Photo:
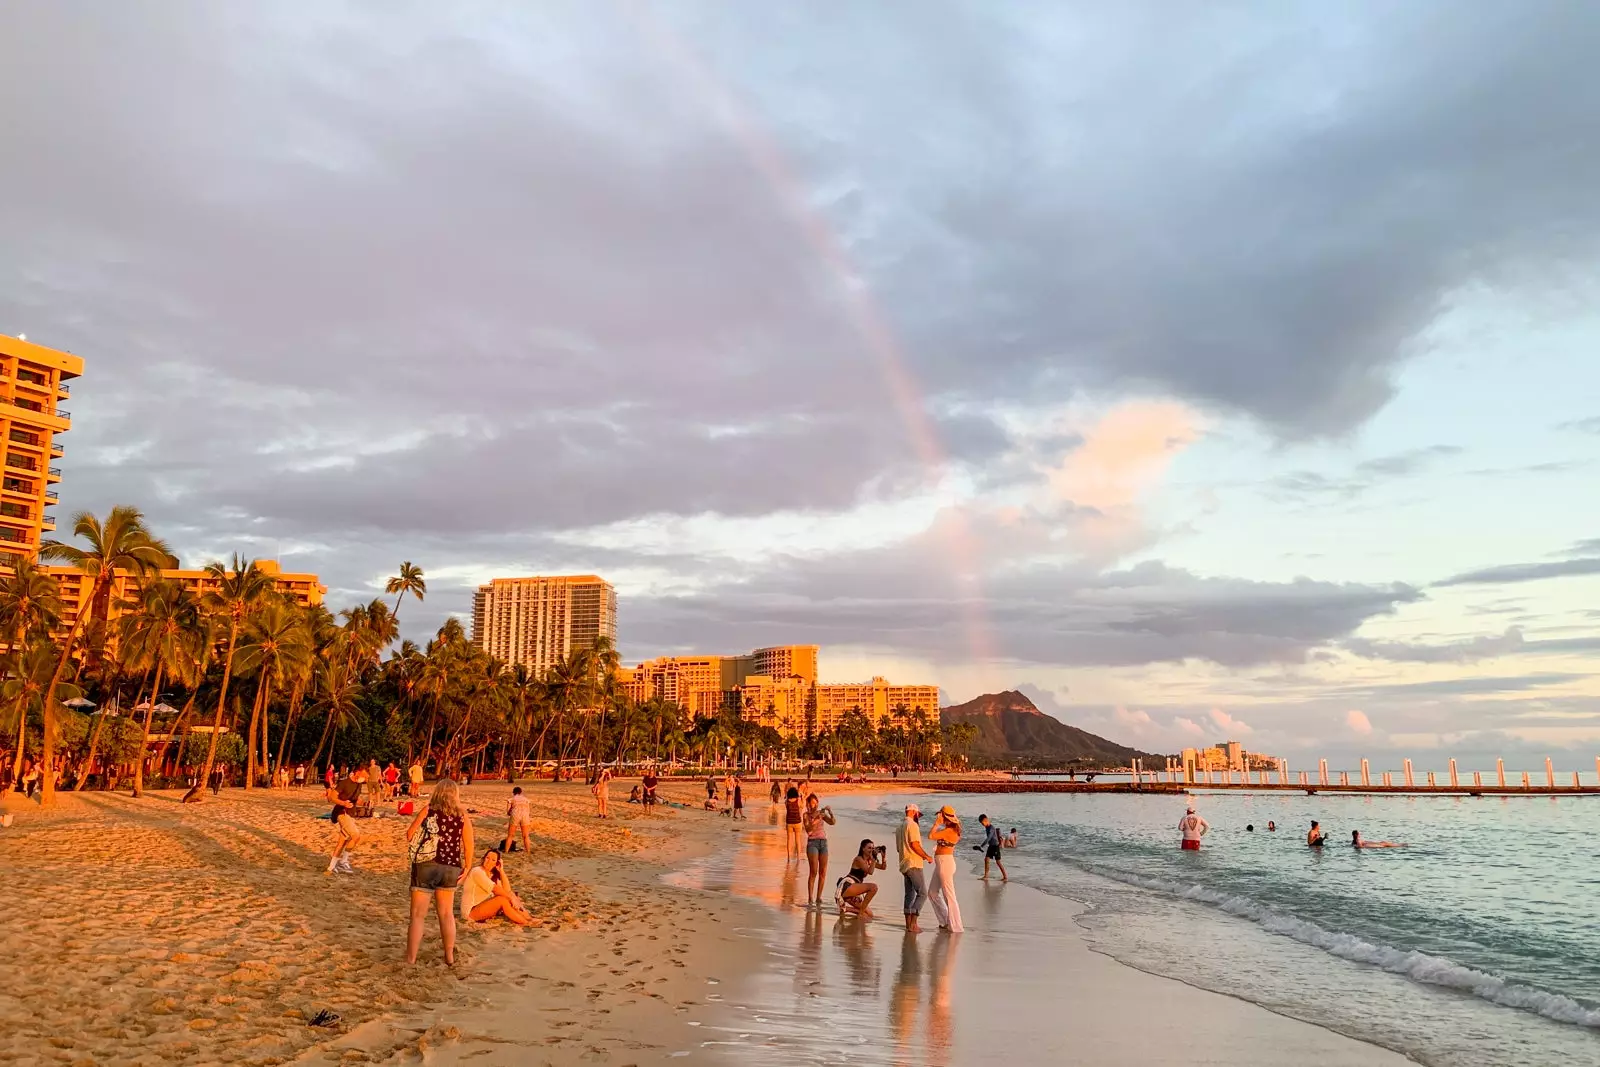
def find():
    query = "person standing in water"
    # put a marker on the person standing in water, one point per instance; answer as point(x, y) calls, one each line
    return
point(992, 842)
point(792, 814)
point(815, 822)
point(1314, 837)
point(946, 835)
point(908, 844)
point(1193, 828)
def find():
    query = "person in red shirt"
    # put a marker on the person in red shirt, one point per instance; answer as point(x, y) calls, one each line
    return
point(391, 780)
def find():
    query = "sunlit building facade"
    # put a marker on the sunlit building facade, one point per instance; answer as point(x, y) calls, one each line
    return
point(303, 589)
point(538, 622)
point(33, 382)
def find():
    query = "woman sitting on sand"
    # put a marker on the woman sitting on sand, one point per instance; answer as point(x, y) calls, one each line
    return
point(440, 837)
point(487, 893)
point(856, 890)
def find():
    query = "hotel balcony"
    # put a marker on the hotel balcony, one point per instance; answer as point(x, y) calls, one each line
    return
point(63, 390)
point(48, 523)
point(57, 450)
point(54, 475)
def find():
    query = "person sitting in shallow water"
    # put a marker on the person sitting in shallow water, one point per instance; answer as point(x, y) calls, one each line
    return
point(1356, 842)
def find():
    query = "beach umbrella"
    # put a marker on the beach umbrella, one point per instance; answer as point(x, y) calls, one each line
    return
point(78, 702)
point(143, 705)
point(166, 709)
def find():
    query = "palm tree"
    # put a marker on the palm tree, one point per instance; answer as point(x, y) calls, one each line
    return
point(275, 647)
point(121, 543)
point(236, 595)
point(339, 693)
point(165, 634)
point(30, 675)
point(30, 604)
point(409, 580)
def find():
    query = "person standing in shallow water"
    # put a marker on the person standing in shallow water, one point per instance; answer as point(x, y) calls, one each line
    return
point(1193, 828)
point(908, 845)
point(946, 836)
point(792, 817)
point(992, 842)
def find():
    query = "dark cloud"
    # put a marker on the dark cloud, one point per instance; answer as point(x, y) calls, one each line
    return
point(1511, 573)
point(360, 283)
point(1447, 687)
point(1589, 425)
point(1468, 651)
point(1366, 475)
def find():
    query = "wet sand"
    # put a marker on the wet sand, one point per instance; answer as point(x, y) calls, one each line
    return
point(1020, 985)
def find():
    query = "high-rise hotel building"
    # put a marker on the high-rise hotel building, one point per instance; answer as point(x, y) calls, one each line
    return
point(33, 382)
point(538, 622)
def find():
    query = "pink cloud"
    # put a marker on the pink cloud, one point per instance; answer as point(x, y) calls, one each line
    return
point(1188, 726)
point(1358, 722)
point(1228, 723)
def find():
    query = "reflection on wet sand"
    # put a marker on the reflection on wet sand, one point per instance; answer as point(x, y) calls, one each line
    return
point(923, 977)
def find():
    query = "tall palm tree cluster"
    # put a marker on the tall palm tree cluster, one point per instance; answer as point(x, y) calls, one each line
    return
point(242, 675)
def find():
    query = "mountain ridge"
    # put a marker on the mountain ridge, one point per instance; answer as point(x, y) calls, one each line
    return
point(1012, 729)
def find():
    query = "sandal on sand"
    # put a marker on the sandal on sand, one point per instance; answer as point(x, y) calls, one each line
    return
point(324, 1018)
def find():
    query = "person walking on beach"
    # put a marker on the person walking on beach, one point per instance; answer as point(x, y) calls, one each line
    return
point(345, 796)
point(602, 793)
point(815, 823)
point(738, 798)
point(908, 845)
point(519, 818)
point(793, 832)
point(1315, 837)
point(777, 792)
point(415, 776)
point(440, 838)
point(1193, 828)
point(391, 781)
point(946, 835)
point(992, 842)
point(299, 776)
point(711, 792)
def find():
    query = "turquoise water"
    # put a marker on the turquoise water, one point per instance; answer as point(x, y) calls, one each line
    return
point(1476, 946)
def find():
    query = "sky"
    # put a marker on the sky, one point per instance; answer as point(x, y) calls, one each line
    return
point(1205, 371)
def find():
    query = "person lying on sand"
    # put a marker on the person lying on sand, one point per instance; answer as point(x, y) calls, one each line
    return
point(1356, 842)
point(487, 893)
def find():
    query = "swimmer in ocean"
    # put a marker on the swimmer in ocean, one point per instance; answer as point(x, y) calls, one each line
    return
point(1315, 838)
point(1356, 842)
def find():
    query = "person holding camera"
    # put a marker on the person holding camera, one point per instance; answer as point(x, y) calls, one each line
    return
point(816, 821)
point(856, 889)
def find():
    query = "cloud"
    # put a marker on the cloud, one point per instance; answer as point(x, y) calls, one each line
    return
point(1188, 726)
point(1358, 722)
point(1589, 425)
point(1366, 476)
point(1228, 723)
point(1468, 686)
point(1468, 651)
point(1512, 573)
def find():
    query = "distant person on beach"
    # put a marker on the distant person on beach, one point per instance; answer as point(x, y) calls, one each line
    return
point(217, 774)
point(815, 822)
point(602, 793)
point(299, 775)
point(856, 888)
point(1315, 838)
point(1250, 828)
point(345, 796)
point(391, 781)
point(636, 794)
point(650, 781)
point(908, 846)
point(414, 777)
point(738, 798)
point(777, 792)
point(793, 832)
point(1010, 840)
point(946, 835)
point(1272, 827)
point(519, 818)
point(1356, 842)
point(440, 837)
point(992, 843)
point(711, 791)
point(486, 892)
point(329, 777)
point(1193, 828)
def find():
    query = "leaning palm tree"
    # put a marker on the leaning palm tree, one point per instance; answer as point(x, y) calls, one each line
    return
point(30, 605)
point(164, 636)
point(120, 543)
point(276, 645)
point(235, 595)
point(409, 580)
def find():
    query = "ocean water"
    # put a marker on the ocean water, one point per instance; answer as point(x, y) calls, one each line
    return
point(1478, 945)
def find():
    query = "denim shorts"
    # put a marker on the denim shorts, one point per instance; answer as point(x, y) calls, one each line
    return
point(817, 846)
point(434, 876)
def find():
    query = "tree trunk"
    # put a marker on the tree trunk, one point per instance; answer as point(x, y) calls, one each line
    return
point(47, 757)
point(255, 720)
point(182, 720)
point(22, 736)
point(327, 736)
point(88, 761)
point(216, 724)
point(144, 742)
point(295, 697)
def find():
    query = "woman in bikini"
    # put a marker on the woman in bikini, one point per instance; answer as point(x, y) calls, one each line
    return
point(855, 890)
point(815, 822)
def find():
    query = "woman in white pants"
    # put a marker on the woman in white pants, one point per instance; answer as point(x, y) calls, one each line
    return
point(942, 894)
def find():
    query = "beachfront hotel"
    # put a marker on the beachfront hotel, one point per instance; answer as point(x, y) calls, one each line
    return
point(33, 380)
point(303, 589)
point(537, 622)
point(775, 687)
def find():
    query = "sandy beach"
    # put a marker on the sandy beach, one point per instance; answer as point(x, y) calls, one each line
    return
point(160, 933)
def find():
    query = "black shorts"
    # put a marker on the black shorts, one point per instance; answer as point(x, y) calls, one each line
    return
point(434, 876)
point(992, 853)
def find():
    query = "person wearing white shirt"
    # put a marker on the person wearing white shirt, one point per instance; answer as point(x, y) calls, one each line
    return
point(1193, 828)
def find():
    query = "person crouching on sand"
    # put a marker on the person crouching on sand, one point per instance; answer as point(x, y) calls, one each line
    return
point(440, 837)
point(856, 888)
point(946, 835)
point(1193, 828)
point(486, 892)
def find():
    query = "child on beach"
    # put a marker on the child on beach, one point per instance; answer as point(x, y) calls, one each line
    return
point(440, 838)
point(519, 814)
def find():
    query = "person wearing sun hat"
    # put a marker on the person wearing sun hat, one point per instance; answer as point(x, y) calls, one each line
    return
point(946, 836)
point(908, 844)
